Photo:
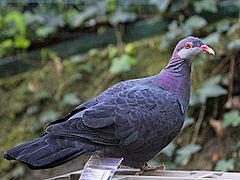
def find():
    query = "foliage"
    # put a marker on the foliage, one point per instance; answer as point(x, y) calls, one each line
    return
point(225, 165)
point(184, 153)
point(169, 150)
point(210, 88)
point(205, 5)
point(49, 116)
point(70, 99)
point(231, 118)
point(188, 121)
point(122, 64)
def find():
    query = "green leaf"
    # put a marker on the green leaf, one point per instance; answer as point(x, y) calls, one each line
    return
point(161, 5)
point(210, 88)
point(212, 39)
point(191, 22)
point(44, 31)
point(194, 99)
point(88, 13)
point(205, 5)
point(188, 121)
point(234, 45)
point(18, 20)
point(35, 126)
point(18, 172)
point(76, 58)
point(225, 165)
point(85, 67)
point(184, 153)
point(179, 5)
point(70, 16)
point(21, 42)
point(75, 77)
point(70, 99)
point(111, 6)
point(32, 109)
point(122, 64)
point(121, 16)
point(112, 53)
point(6, 43)
point(49, 116)
point(43, 94)
point(232, 29)
point(169, 150)
point(92, 52)
point(231, 118)
point(130, 49)
point(223, 25)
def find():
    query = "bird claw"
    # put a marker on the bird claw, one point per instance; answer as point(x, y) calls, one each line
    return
point(147, 168)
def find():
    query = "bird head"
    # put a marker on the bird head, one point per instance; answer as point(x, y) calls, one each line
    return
point(189, 47)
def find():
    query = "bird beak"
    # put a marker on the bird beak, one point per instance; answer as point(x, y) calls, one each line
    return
point(207, 49)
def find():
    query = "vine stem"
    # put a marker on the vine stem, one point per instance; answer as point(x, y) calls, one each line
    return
point(198, 124)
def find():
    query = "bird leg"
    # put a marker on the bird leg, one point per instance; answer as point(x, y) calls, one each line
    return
point(147, 168)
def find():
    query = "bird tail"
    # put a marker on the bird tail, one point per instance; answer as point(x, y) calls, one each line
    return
point(47, 151)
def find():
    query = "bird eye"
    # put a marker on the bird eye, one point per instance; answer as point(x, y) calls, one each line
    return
point(187, 45)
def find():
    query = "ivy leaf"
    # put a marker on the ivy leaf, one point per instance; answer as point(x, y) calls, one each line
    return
point(6, 43)
point(130, 48)
point(49, 116)
point(210, 88)
point(112, 52)
point(32, 109)
point(18, 20)
point(18, 172)
point(43, 94)
point(85, 67)
point(212, 39)
point(122, 64)
point(76, 58)
point(70, 99)
point(122, 17)
point(83, 16)
point(21, 42)
point(169, 150)
point(188, 121)
point(234, 45)
point(190, 24)
point(205, 5)
point(224, 165)
point(231, 118)
point(184, 153)
point(44, 31)
point(161, 5)
point(179, 5)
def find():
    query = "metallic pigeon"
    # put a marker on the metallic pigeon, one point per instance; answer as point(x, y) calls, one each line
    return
point(133, 119)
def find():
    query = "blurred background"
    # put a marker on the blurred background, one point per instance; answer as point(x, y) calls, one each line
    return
point(56, 54)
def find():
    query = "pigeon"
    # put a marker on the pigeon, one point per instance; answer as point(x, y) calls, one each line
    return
point(133, 119)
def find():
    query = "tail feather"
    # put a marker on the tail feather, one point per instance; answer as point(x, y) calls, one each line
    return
point(48, 151)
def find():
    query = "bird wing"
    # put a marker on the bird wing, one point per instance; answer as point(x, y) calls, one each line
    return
point(125, 116)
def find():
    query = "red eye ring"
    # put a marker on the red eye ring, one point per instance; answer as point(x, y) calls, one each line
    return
point(187, 45)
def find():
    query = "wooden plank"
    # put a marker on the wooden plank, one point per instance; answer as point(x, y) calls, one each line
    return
point(128, 174)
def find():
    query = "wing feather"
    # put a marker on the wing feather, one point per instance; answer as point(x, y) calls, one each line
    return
point(128, 116)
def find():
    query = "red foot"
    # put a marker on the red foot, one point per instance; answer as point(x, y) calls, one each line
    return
point(147, 168)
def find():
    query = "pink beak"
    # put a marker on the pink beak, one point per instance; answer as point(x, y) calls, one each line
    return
point(207, 49)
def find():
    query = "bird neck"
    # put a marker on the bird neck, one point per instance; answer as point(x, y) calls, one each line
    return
point(176, 79)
